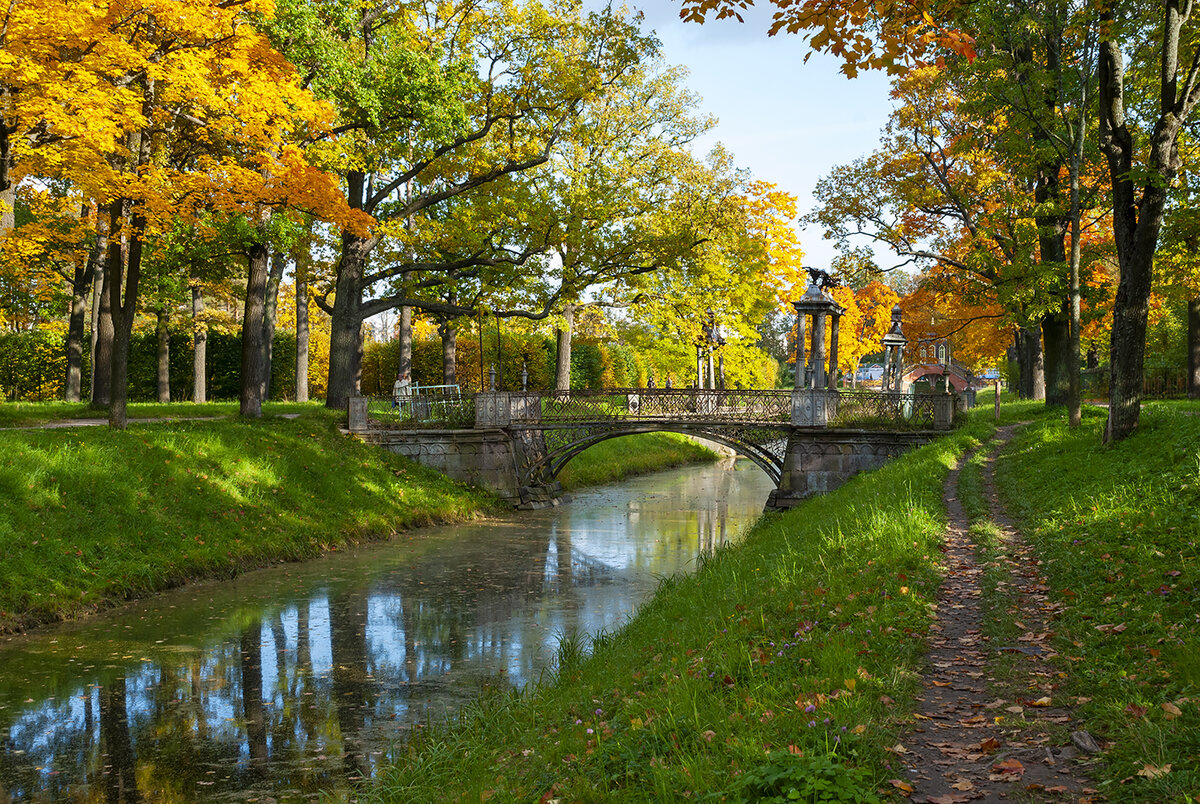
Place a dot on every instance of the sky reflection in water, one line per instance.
(298, 679)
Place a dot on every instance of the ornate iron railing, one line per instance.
(425, 410)
(653, 405)
(885, 410)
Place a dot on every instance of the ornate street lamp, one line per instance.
(893, 353)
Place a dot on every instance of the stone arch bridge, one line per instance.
(808, 441)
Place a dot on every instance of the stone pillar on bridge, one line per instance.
(800, 350)
(835, 325)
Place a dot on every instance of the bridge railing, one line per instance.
(652, 404)
(870, 410)
(446, 410)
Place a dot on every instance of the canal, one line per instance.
(298, 679)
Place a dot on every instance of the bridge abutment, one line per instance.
(819, 461)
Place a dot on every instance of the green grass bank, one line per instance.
(785, 663)
(1117, 531)
(94, 517)
(785, 669)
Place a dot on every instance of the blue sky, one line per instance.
(787, 121)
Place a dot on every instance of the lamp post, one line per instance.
(893, 353)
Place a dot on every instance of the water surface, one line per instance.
(289, 681)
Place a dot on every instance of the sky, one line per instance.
(788, 122)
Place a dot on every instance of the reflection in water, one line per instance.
(299, 679)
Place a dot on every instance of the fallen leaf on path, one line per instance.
(949, 798)
(963, 784)
(1008, 769)
(989, 745)
(902, 786)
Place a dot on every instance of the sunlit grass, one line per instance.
(783, 663)
(618, 458)
(1117, 530)
(94, 516)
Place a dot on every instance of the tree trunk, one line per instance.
(1056, 336)
(81, 283)
(345, 337)
(114, 268)
(1137, 218)
(1032, 383)
(253, 317)
(163, 354)
(123, 307)
(199, 348)
(448, 331)
(301, 328)
(562, 364)
(270, 314)
(97, 298)
(404, 333)
(1193, 348)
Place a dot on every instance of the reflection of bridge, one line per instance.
(807, 440)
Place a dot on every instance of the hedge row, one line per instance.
(33, 366)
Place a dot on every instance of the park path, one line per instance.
(990, 725)
(62, 424)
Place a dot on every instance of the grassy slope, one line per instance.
(618, 458)
(762, 672)
(1117, 529)
(93, 516)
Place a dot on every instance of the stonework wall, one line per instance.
(819, 462)
(478, 457)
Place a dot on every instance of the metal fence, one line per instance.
(440, 409)
(653, 404)
(885, 410)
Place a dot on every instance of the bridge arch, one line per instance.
(765, 446)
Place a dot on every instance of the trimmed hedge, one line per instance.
(33, 366)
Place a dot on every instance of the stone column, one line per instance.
(833, 350)
(800, 349)
(699, 368)
(818, 351)
(712, 374)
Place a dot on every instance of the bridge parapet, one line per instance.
(869, 410)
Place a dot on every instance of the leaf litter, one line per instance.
(966, 744)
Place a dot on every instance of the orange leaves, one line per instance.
(864, 35)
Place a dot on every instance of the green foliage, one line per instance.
(33, 364)
(785, 777)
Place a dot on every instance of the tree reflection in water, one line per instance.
(296, 680)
